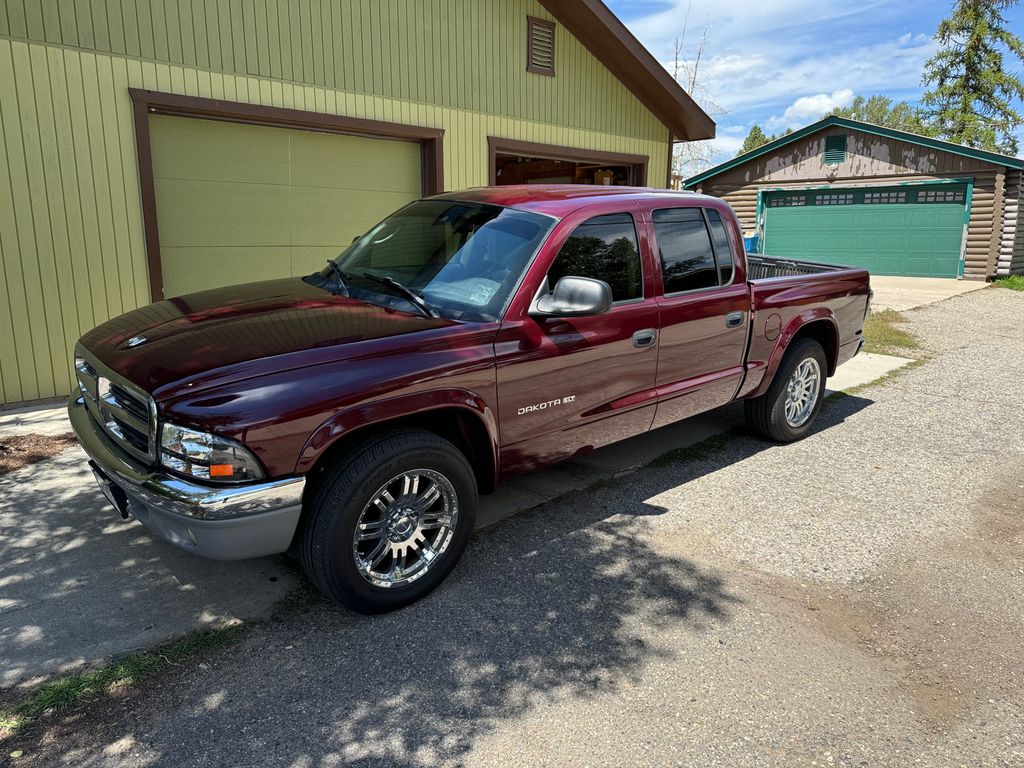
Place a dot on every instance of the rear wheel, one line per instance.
(390, 521)
(786, 412)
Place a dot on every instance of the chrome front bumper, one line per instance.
(229, 523)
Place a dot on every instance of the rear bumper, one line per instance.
(849, 350)
(229, 523)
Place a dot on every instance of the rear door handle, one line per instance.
(644, 338)
(734, 320)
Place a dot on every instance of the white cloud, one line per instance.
(760, 59)
(784, 63)
(807, 109)
(727, 146)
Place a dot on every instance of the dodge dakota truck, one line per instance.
(352, 416)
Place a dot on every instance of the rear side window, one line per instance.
(684, 246)
(604, 248)
(720, 239)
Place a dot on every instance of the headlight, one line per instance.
(205, 456)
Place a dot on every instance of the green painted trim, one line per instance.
(856, 125)
(758, 222)
(967, 226)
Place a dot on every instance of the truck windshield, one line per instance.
(463, 259)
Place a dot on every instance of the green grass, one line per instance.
(72, 690)
(883, 335)
(882, 380)
(1013, 282)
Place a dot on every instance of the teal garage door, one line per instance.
(914, 231)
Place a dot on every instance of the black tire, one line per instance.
(766, 415)
(326, 547)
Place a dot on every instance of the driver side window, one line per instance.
(604, 248)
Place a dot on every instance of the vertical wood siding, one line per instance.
(871, 160)
(71, 243)
(467, 54)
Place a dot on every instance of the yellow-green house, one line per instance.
(150, 148)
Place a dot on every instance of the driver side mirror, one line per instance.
(574, 297)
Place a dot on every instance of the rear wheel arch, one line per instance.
(823, 331)
(820, 328)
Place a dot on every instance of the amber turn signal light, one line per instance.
(221, 470)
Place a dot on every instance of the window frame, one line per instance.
(728, 237)
(655, 253)
(640, 255)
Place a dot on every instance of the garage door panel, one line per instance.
(305, 260)
(221, 213)
(908, 237)
(237, 203)
(357, 163)
(323, 216)
(184, 148)
(197, 268)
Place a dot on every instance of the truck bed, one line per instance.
(760, 266)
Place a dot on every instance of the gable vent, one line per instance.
(540, 46)
(835, 149)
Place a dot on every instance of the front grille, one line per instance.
(125, 412)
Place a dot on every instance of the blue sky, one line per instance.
(782, 63)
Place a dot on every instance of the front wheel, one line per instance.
(786, 412)
(389, 521)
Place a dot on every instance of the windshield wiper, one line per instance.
(341, 274)
(414, 298)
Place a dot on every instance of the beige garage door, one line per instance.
(238, 203)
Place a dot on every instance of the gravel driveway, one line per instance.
(853, 599)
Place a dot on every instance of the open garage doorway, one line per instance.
(520, 162)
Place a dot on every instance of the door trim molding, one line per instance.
(145, 103)
(499, 145)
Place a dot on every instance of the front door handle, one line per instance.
(644, 338)
(734, 320)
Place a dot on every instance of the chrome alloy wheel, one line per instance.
(405, 527)
(802, 392)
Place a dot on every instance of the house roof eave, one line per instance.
(878, 130)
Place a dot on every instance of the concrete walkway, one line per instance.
(79, 585)
(44, 419)
(903, 293)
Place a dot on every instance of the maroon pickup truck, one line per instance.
(352, 416)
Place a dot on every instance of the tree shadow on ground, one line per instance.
(563, 601)
(78, 584)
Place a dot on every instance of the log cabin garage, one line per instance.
(848, 192)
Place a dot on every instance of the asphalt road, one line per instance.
(854, 599)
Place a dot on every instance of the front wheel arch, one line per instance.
(472, 430)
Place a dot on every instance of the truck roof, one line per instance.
(559, 200)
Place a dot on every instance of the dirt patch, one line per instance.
(19, 451)
(999, 520)
(944, 620)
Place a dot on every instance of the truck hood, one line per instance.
(241, 331)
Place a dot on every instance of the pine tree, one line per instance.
(972, 94)
(755, 139)
(881, 110)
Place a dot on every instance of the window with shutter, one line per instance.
(835, 149)
(540, 46)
